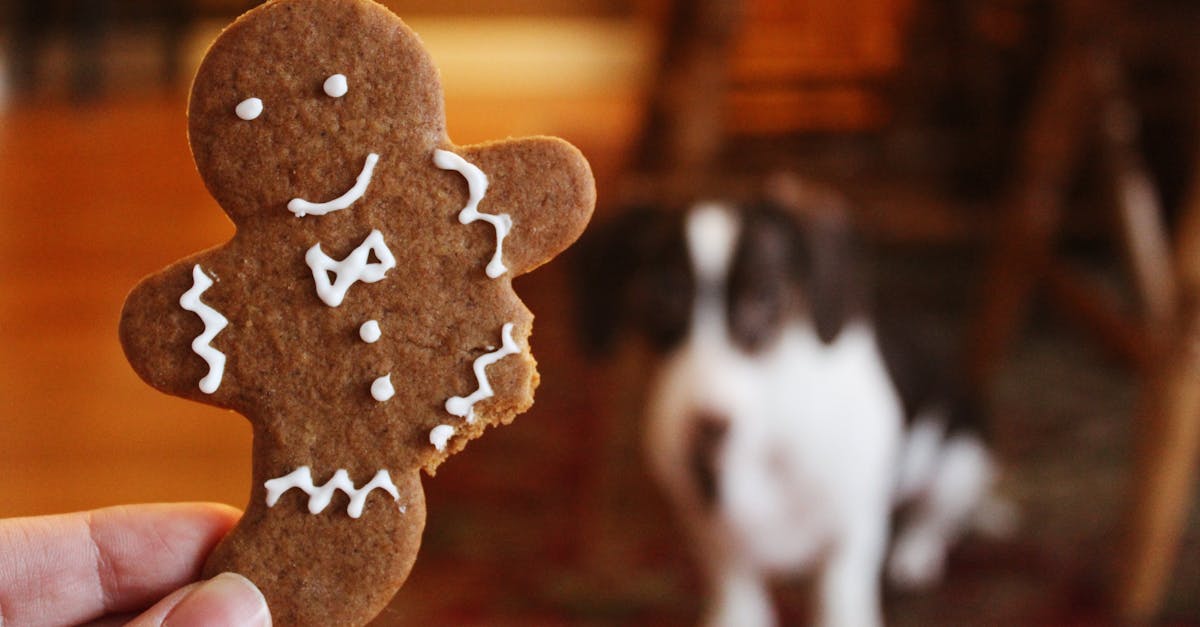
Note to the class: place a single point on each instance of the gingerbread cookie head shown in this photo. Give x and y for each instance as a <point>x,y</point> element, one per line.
<point>298,94</point>
<point>363,317</point>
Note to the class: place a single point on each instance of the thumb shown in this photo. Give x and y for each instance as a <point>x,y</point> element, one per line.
<point>227,599</point>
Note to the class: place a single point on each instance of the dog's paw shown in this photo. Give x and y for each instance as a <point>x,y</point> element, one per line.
<point>917,560</point>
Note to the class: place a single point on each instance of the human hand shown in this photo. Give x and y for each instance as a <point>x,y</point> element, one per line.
<point>108,564</point>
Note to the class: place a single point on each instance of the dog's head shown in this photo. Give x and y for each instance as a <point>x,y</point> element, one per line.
<point>760,265</point>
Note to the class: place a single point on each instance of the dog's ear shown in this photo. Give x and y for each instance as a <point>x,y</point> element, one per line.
<point>826,261</point>
<point>606,261</point>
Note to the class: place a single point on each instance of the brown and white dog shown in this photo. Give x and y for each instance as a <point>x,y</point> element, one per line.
<point>782,424</point>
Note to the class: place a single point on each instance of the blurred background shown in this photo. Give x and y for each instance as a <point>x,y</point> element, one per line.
<point>1025,172</point>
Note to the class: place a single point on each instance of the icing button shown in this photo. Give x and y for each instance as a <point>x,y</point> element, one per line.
<point>381,388</point>
<point>335,86</point>
<point>369,331</point>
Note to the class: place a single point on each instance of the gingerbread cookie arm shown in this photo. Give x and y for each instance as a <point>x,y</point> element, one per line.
<point>545,186</point>
<point>170,328</point>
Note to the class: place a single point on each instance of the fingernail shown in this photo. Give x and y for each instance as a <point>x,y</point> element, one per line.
<point>227,599</point>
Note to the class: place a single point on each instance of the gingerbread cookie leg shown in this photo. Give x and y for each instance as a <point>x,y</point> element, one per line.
<point>325,568</point>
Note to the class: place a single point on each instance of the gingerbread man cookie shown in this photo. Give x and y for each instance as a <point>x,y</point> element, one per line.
<point>362,317</point>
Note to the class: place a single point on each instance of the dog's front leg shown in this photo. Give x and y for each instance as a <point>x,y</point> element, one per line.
<point>739,596</point>
<point>849,583</point>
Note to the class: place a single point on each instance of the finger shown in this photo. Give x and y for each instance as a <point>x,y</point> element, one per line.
<point>72,568</point>
<point>227,599</point>
<point>159,611</point>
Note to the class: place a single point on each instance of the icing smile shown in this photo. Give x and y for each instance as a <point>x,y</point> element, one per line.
<point>302,207</point>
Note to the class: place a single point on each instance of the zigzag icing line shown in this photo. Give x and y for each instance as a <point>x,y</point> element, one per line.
<point>320,496</point>
<point>464,407</point>
<point>214,322</point>
<point>477,184</point>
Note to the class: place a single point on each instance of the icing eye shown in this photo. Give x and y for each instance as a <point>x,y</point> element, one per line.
<point>249,108</point>
<point>335,86</point>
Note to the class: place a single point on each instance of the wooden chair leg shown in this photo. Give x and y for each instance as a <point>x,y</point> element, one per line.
<point>1168,442</point>
<point>1143,228</point>
<point>684,129</point>
<point>1054,139</point>
<point>1012,276</point>
<point>1165,466</point>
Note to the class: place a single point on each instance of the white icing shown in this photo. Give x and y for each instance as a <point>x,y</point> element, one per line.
<point>464,407</point>
<point>477,184</point>
<point>440,435</point>
<point>320,496</point>
<point>350,270</point>
<point>249,108</point>
<point>369,331</point>
<point>213,321</point>
<point>381,388</point>
<point>302,207</point>
<point>335,86</point>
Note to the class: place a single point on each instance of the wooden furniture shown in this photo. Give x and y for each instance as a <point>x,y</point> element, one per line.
<point>1081,110</point>
<point>743,69</point>
<point>87,26</point>
<point>1082,105</point>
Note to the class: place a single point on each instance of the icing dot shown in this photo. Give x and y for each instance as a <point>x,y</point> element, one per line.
<point>335,86</point>
<point>440,435</point>
<point>369,331</point>
<point>381,388</point>
<point>249,108</point>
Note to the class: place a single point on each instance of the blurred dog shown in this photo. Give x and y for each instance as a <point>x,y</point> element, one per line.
<point>783,424</point>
